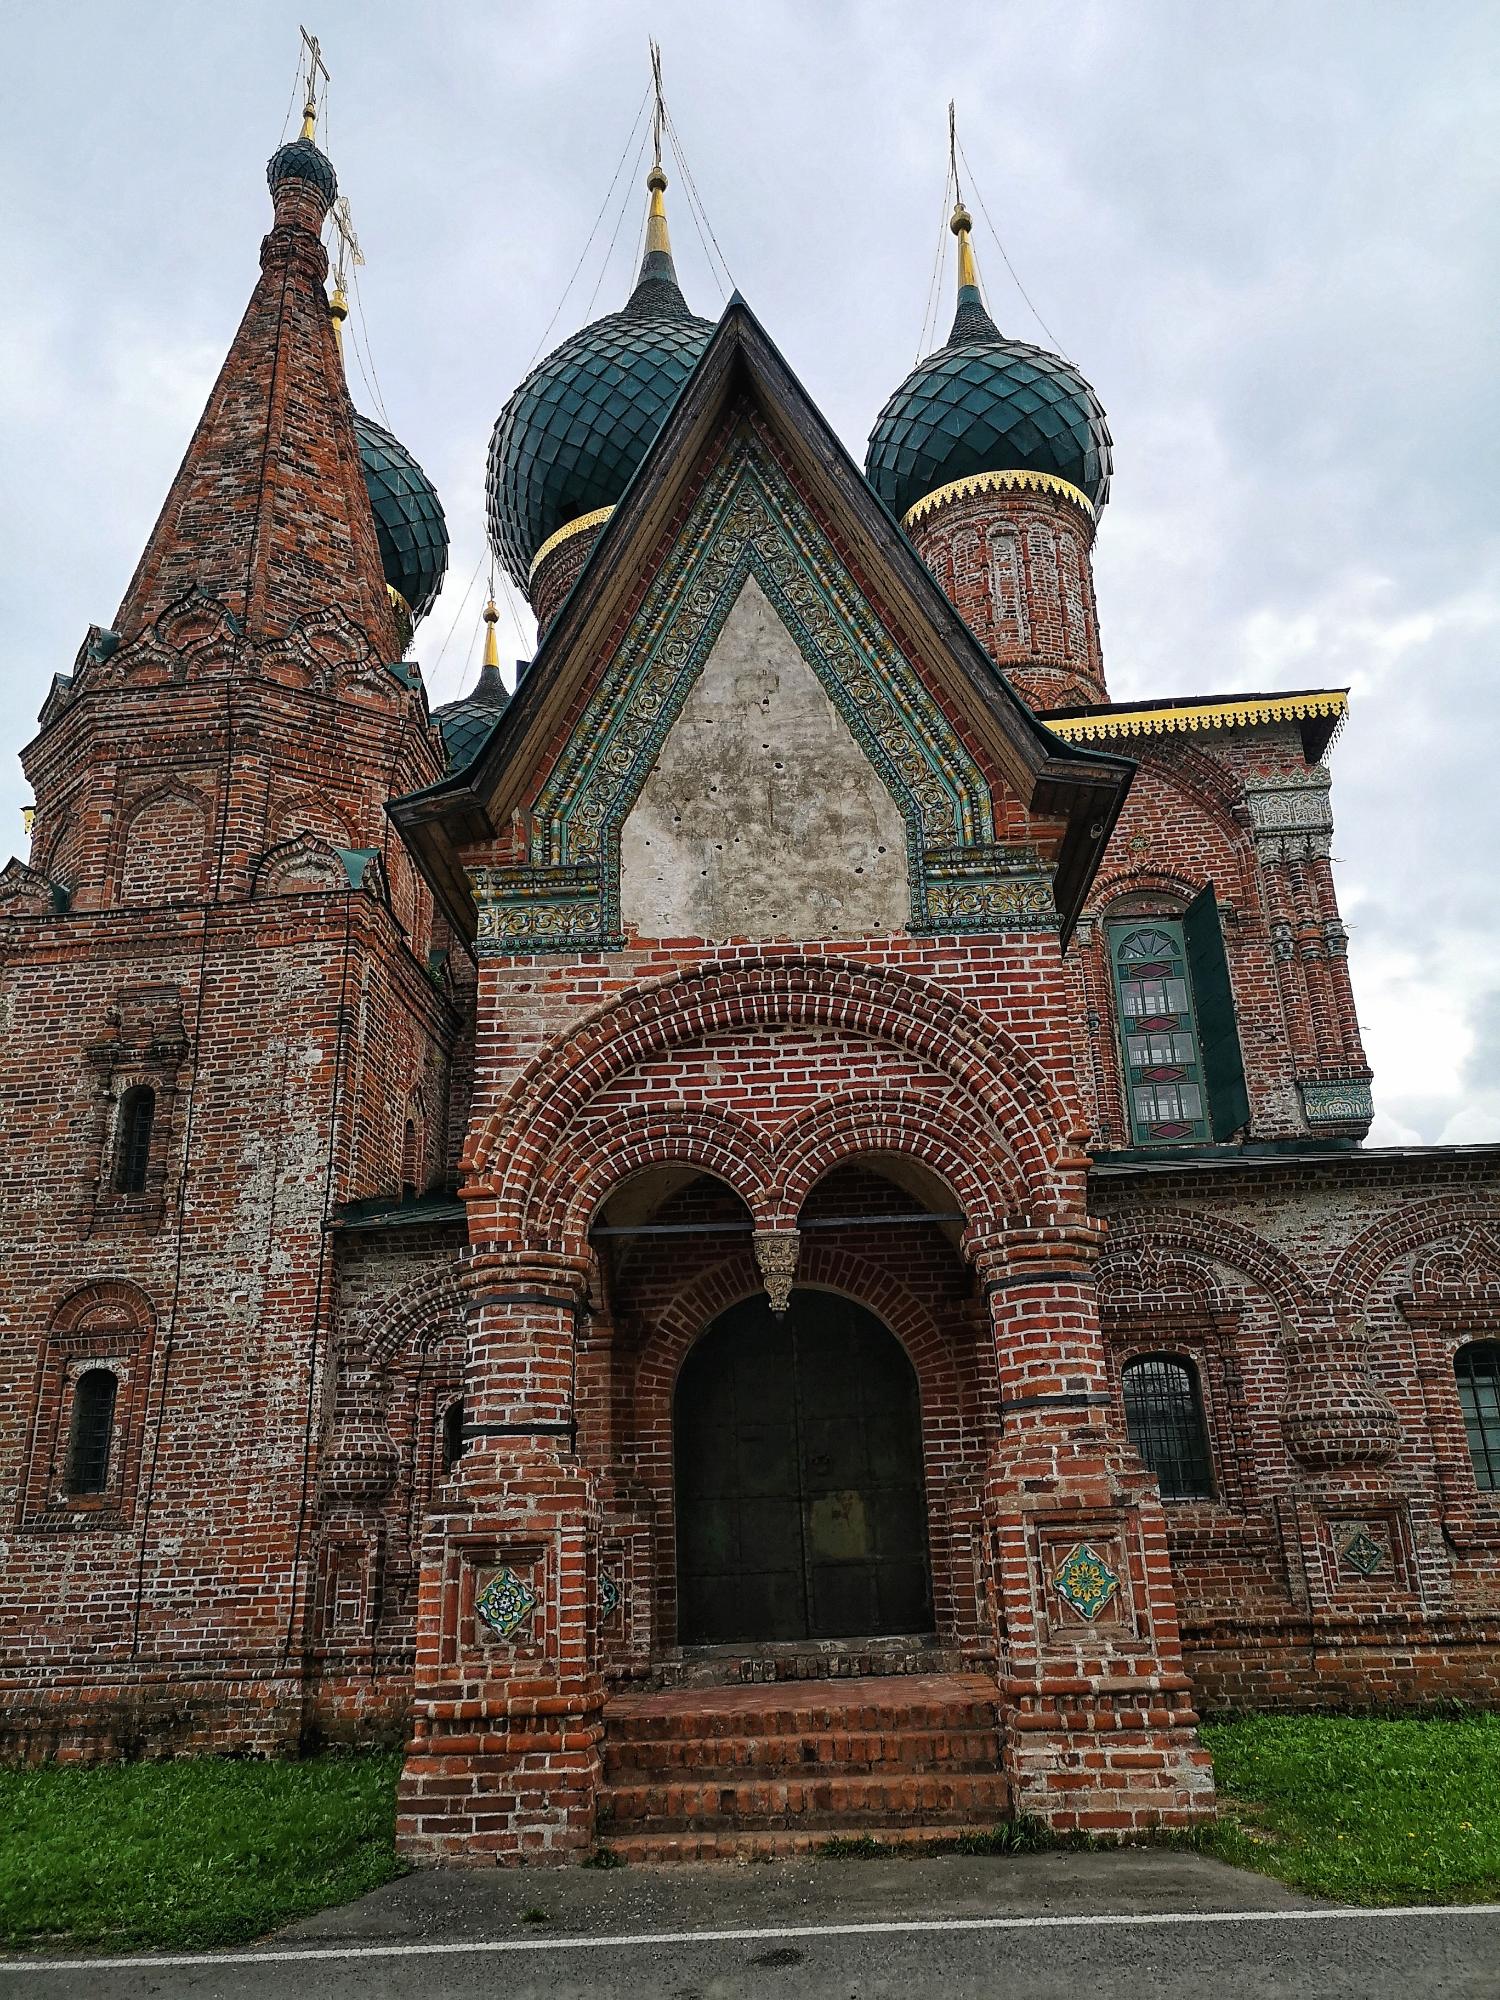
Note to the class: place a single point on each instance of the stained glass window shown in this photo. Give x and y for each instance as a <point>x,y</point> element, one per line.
<point>1164,1082</point>
<point>1164,1419</point>
<point>1477,1367</point>
<point>92,1432</point>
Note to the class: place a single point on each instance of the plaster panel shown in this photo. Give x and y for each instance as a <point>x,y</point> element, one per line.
<point>762,817</point>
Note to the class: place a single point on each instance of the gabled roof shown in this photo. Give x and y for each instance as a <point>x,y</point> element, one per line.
<point>1086,788</point>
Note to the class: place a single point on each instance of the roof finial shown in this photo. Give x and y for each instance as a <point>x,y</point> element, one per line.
<point>657,238</point>
<point>962,223</point>
<point>491,619</point>
<point>657,293</point>
<point>315,67</point>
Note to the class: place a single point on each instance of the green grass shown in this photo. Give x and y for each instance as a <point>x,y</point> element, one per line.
<point>1360,1808</point>
<point>206,1851</point>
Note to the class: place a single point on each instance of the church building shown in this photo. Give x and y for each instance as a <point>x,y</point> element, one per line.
<point>765,1236</point>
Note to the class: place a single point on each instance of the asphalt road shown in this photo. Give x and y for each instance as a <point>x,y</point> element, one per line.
<point>1146,1925</point>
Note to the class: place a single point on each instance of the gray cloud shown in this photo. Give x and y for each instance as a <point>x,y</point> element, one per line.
<point>1267,235</point>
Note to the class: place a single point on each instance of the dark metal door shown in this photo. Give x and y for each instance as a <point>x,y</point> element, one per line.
<point>800,1507</point>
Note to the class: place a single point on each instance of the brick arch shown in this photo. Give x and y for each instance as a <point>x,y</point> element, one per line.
<point>74,1307</point>
<point>842,1129</point>
<point>1129,880</point>
<point>1413,1226</point>
<point>1132,1273</point>
<point>1219,1242</point>
<point>512,1149</point>
<point>594,1159</point>
<point>1206,790</point>
<point>409,1317</point>
<point>164,842</point>
<point>944,1388</point>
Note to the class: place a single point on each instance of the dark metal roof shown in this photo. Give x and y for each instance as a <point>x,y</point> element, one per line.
<point>409,521</point>
<point>983,403</point>
<point>1337,1154</point>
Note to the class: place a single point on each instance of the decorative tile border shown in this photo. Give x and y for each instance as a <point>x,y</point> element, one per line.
<point>1337,1103</point>
<point>750,521</point>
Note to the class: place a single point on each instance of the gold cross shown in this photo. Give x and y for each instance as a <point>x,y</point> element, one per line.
<point>315,67</point>
<point>349,250</point>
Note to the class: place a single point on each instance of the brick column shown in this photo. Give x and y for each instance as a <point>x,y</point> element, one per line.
<point>1100,1731</point>
<point>503,1763</point>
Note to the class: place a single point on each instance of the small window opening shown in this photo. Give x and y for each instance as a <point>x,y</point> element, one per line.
<point>409,1160</point>
<point>137,1115</point>
<point>453,1434</point>
<point>92,1432</point>
<point>1164,1419</point>
<point>1477,1368</point>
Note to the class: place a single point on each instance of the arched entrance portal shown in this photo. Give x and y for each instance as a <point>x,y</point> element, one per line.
<point>800,1506</point>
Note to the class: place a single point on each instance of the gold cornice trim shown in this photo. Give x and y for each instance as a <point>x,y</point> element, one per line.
<point>565,534</point>
<point>1018,479</point>
<point>1200,716</point>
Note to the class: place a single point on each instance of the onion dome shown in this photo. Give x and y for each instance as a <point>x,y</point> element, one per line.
<point>465,724</point>
<point>983,404</point>
<point>567,443</point>
<point>409,523</point>
<point>300,160</point>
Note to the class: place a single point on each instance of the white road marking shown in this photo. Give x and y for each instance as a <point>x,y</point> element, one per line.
<point>303,1954</point>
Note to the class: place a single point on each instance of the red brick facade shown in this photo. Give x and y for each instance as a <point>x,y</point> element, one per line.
<point>435,1204</point>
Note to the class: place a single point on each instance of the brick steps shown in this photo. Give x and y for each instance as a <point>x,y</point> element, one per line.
<point>646,1849</point>
<point>704,1773</point>
<point>806,1752</point>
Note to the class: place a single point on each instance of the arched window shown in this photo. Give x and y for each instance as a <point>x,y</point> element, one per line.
<point>93,1431</point>
<point>1184,1075</point>
<point>1477,1368</point>
<point>1164,1418</point>
<point>453,1434</point>
<point>137,1115</point>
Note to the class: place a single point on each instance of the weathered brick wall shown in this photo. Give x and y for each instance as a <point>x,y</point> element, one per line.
<point>1192,817</point>
<point>1018,564</point>
<point>1322,1304</point>
<point>172,1608</point>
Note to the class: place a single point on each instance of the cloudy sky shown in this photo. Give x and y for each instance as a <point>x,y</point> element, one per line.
<point>1267,232</point>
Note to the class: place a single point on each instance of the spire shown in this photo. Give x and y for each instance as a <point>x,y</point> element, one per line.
<point>491,643</point>
<point>657,294</point>
<point>269,512</point>
<point>971,321</point>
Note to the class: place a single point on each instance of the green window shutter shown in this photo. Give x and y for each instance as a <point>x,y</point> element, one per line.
<point>1213,998</point>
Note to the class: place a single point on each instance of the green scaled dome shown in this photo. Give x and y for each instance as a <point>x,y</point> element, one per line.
<point>570,438</point>
<point>465,724</point>
<point>983,403</point>
<point>300,160</point>
<point>409,523</point>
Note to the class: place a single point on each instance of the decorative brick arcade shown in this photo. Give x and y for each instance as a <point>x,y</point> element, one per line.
<point>765,1238</point>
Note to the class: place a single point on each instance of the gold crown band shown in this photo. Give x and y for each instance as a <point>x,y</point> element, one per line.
<point>565,534</point>
<point>995,482</point>
<point>1192,717</point>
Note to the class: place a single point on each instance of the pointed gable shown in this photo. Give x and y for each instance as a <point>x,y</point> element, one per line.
<point>746,480</point>
<point>269,513</point>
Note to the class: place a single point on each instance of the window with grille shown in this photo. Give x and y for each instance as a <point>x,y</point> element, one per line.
<point>1477,1368</point>
<point>1164,1419</point>
<point>453,1434</point>
<point>92,1432</point>
<point>137,1115</point>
